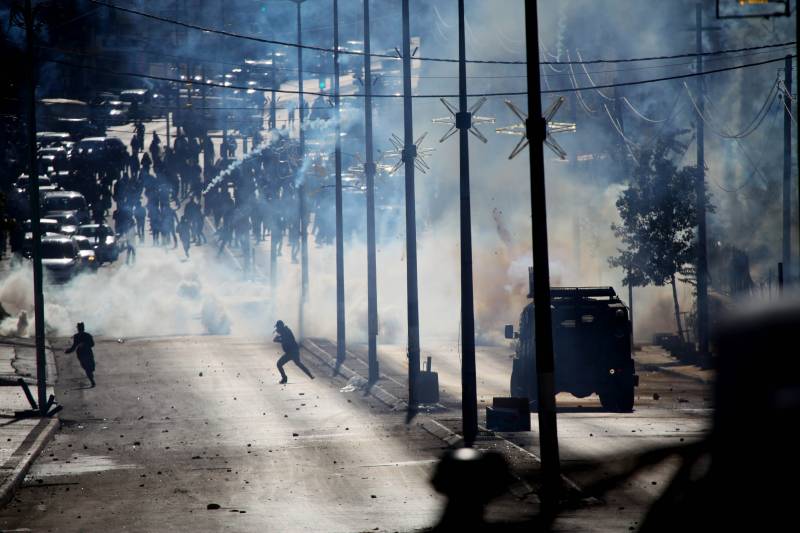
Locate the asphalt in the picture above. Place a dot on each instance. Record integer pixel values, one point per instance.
(672, 408)
(21, 439)
(157, 442)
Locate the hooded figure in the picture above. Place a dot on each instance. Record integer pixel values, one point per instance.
(291, 349)
(82, 342)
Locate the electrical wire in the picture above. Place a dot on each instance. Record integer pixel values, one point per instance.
(574, 83)
(787, 99)
(432, 59)
(629, 144)
(749, 129)
(640, 114)
(589, 77)
(398, 95)
(680, 56)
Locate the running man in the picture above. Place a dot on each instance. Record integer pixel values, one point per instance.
(291, 349)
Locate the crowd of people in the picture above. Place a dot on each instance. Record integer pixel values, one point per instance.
(166, 192)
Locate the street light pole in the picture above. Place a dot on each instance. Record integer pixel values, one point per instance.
(340, 329)
(545, 366)
(33, 173)
(700, 192)
(787, 168)
(409, 156)
(301, 186)
(469, 390)
(369, 172)
(272, 104)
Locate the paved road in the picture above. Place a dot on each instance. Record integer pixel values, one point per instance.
(156, 442)
(669, 409)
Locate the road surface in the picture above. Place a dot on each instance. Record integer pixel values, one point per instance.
(176, 424)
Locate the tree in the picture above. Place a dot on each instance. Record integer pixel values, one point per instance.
(658, 217)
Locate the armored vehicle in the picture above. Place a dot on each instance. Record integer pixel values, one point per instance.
(592, 347)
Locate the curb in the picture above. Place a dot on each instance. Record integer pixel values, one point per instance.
(378, 392)
(21, 460)
(427, 424)
(651, 367)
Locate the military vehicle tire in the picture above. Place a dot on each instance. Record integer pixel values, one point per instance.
(618, 400)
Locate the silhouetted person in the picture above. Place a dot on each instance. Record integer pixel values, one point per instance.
(140, 214)
(183, 230)
(291, 349)
(82, 343)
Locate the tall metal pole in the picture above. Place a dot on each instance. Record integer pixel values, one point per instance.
(273, 107)
(618, 96)
(469, 387)
(409, 158)
(224, 149)
(545, 366)
(700, 192)
(33, 173)
(340, 331)
(301, 186)
(369, 172)
(787, 170)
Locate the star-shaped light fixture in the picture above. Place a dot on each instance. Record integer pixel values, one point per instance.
(416, 152)
(521, 129)
(472, 120)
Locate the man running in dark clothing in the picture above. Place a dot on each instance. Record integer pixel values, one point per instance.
(291, 349)
(83, 342)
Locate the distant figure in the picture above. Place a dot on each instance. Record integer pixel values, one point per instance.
(291, 349)
(140, 214)
(83, 343)
(184, 231)
(22, 324)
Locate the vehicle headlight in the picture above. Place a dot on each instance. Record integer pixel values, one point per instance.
(612, 371)
(109, 240)
(91, 258)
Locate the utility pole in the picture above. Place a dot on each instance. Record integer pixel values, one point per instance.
(33, 173)
(787, 169)
(618, 96)
(545, 366)
(273, 108)
(409, 156)
(700, 192)
(224, 149)
(340, 330)
(469, 388)
(369, 173)
(301, 186)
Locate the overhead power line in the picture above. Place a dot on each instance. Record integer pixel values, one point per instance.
(356, 95)
(666, 78)
(290, 44)
(673, 56)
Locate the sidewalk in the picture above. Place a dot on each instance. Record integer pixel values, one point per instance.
(657, 359)
(21, 440)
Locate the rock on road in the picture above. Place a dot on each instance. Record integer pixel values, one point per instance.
(157, 442)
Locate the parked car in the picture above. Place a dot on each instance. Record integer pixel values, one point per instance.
(46, 185)
(117, 113)
(103, 240)
(57, 157)
(66, 201)
(61, 257)
(67, 222)
(47, 139)
(95, 147)
(48, 227)
(146, 104)
(64, 115)
(86, 251)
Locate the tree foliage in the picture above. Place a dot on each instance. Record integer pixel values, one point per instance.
(658, 214)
